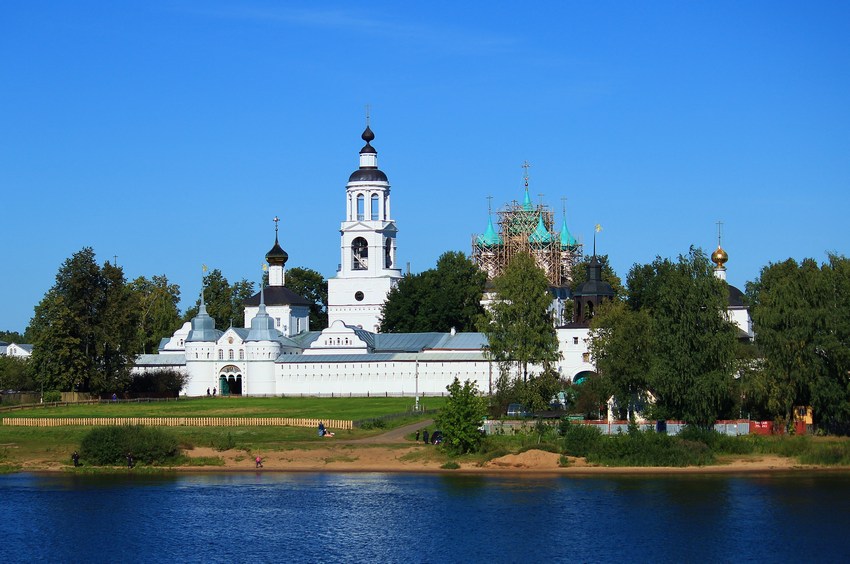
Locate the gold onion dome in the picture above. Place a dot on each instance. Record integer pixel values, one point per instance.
(719, 257)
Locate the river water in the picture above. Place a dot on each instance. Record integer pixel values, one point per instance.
(372, 517)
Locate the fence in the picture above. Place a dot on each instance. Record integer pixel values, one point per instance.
(175, 422)
(732, 427)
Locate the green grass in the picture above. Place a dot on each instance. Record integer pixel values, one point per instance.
(46, 446)
(347, 409)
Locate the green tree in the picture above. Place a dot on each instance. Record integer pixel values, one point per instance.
(313, 286)
(693, 343)
(519, 325)
(800, 312)
(460, 418)
(224, 302)
(437, 299)
(621, 345)
(15, 376)
(405, 310)
(83, 330)
(159, 315)
(11, 337)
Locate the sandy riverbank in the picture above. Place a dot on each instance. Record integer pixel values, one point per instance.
(343, 458)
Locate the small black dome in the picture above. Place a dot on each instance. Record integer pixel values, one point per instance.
(367, 135)
(277, 255)
(368, 175)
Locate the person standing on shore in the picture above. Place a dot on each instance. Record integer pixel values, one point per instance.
(76, 458)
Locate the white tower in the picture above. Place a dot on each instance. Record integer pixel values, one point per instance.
(367, 269)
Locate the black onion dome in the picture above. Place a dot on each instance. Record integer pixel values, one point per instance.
(277, 255)
(368, 136)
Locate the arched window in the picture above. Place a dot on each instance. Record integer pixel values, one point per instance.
(374, 207)
(388, 254)
(241, 354)
(360, 254)
(360, 207)
(230, 354)
(221, 354)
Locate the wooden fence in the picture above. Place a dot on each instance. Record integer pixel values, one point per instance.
(176, 422)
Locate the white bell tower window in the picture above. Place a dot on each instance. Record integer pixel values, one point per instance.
(361, 212)
(359, 254)
(388, 254)
(374, 209)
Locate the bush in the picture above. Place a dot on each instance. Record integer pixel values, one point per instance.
(579, 440)
(450, 465)
(718, 443)
(51, 396)
(647, 448)
(377, 423)
(224, 443)
(104, 446)
(158, 383)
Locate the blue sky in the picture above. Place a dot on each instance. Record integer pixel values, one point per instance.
(171, 133)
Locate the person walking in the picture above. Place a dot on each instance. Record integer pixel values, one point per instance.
(425, 436)
(259, 461)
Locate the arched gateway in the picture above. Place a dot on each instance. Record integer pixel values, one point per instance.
(230, 381)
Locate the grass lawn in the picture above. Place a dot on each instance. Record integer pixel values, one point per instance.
(21, 445)
(320, 408)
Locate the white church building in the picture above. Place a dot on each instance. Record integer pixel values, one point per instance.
(277, 353)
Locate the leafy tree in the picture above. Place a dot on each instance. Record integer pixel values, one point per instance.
(405, 310)
(14, 375)
(159, 315)
(460, 418)
(224, 302)
(800, 312)
(84, 329)
(693, 343)
(158, 383)
(437, 299)
(621, 344)
(11, 337)
(589, 396)
(519, 326)
(313, 286)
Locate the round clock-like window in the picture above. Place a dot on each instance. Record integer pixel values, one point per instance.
(358, 296)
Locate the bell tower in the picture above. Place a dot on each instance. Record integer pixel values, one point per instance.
(367, 268)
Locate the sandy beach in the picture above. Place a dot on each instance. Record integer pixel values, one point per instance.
(381, 458)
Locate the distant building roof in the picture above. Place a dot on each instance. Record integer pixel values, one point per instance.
(276, 296)
(152, 360)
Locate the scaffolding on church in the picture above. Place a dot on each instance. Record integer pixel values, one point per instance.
(527, 228)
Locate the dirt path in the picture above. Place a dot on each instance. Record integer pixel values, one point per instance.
(396, 435)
